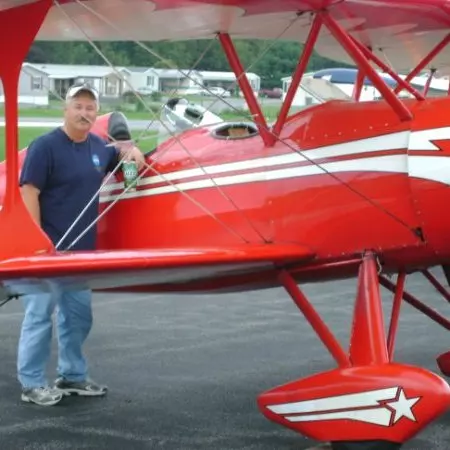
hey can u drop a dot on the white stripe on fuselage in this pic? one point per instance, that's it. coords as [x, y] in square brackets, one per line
[433, 168]
[393, 141]
[427, 167]
[423, 139]
[388, 163]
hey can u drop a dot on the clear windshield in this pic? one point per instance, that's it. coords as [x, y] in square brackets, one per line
[179, 115]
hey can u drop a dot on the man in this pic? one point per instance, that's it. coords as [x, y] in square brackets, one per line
[62, 171]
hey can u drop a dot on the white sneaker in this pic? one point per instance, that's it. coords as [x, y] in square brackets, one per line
[43, 396]
[86, 388]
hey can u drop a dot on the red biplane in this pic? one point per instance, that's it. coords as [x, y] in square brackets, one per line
[341, 189]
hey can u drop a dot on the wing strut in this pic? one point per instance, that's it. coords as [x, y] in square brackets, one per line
[15, 43]
[425, 61]
[358, 56]
[428, 83]
[298, 75]
[357, 89]
[385, 68]
[244, 84]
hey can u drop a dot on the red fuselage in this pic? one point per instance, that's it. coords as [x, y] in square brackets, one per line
[344, 178]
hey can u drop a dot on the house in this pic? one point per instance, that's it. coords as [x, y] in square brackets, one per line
[33, 87]
[38, 80]
[146, 80]
[114, 82]
[107, 80]
[228, 81]
[184, 82]
[143, 80]
[313, 91]
[345, 80]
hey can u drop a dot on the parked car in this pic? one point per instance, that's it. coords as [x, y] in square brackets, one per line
[145, 90]
[218, 91]
[271, 93]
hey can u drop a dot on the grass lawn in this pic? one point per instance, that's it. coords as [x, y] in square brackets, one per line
[27, 134]
[270, 111]
[57, 113]
[146, 143]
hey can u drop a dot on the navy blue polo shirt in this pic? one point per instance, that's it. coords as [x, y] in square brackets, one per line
[68, 174]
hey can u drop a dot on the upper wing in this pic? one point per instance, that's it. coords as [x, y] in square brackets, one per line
[404, 30]
[127, 268]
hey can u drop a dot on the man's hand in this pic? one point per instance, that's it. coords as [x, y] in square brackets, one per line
[129, 152]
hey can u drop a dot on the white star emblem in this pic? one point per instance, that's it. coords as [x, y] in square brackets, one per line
[402, 407]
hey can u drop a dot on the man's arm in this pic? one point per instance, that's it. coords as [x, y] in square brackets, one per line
[30, 195]
[34, 176]
[114, 159]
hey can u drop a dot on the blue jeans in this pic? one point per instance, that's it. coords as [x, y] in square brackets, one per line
[74, 322]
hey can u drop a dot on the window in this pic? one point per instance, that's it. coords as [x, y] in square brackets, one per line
[111, 90]
[37, 83]
[111, 86]
[150, 81]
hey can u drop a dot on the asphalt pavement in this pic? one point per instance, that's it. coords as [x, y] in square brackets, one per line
[184, 371]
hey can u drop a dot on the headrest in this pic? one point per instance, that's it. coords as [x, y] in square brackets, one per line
[118, 127]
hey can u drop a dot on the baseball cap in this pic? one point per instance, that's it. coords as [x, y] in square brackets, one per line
[74, 90]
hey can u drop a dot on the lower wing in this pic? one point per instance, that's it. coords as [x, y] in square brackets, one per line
[126, 269]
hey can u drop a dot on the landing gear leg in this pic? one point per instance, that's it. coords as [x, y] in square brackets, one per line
[443, 360]
[368, 402]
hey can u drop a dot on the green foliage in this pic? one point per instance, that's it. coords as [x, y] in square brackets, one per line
[278, 59]
[156, 96]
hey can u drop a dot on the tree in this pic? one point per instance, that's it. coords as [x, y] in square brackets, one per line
[270, 60]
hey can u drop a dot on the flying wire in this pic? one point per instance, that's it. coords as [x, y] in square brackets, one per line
[277, 138]
[156, 55]
[226, 196]
[111, 174]
[187, 75]
[155, 159]
[287, 144]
